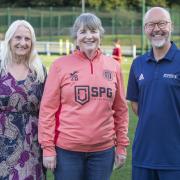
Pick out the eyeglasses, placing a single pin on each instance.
(160, 24)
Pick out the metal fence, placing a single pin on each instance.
(51, 23)
(66, 47)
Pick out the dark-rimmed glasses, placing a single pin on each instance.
(160, 24)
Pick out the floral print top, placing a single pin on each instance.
(20, 153)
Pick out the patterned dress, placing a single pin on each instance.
(20, 153)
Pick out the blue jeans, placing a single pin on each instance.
(72, 165)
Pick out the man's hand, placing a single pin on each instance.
(49, 162)
(119, 160)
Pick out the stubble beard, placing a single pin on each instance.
(160, 43)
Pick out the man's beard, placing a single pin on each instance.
(160, 43)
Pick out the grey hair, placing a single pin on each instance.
(158, 8)
(34, 63)
(88, 20)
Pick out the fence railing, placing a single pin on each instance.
(56, 21)
(66, 47)
(51, 24)
(63, 48)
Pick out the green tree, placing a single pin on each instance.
(104, 4)
(113, 4)
(95, 3)
(162, 3)
(173, 3)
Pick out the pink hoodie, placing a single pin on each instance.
(93, 111)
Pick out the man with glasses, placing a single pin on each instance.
(154, 92)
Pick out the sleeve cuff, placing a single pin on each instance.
(49, 151)
(121, 150)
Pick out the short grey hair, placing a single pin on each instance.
(88, 20)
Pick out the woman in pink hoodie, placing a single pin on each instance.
(90, 132)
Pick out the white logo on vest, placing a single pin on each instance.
(141, 77)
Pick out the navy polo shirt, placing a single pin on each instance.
(156, 88)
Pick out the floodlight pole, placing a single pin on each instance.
(83, 6)
(142, 35)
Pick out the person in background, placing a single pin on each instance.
(91, 129)
(154, 92)
(22, 77)
(117, 52)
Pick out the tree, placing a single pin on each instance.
(162, 3)
(95, 3)
(173, 3)
(104, 4)
(113, 4)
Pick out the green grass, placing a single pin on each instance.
(126, 62)
(47, 60)
(125, 39)
(125, 172)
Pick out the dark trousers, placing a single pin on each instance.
(139, 173)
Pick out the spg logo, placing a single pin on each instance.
(82, 94)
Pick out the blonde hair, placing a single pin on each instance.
(34, 63)
(88, 20)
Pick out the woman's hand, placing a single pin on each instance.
(49, 162)
(119, 160)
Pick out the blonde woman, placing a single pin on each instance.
(22, 79)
